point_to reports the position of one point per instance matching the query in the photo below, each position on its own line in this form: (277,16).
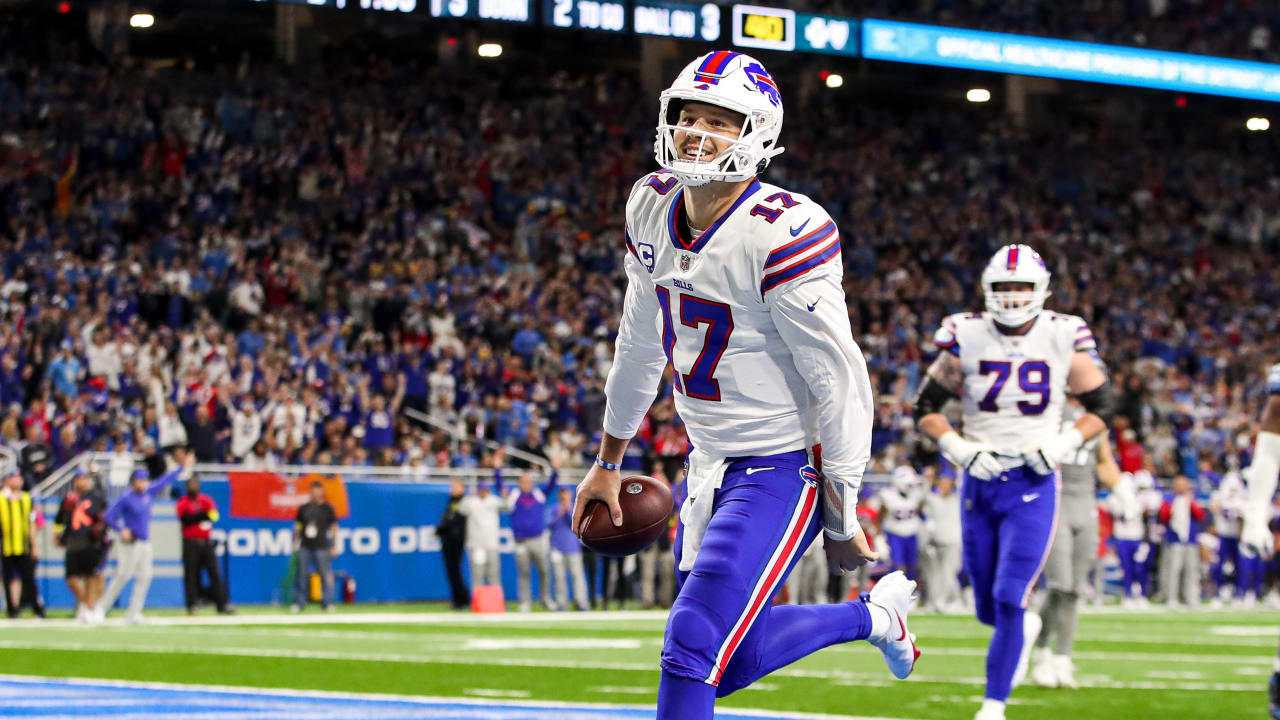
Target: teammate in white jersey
(736,284)
(899,506)
(1228,504)
(1012,366)
(1256,537)
(1128,530)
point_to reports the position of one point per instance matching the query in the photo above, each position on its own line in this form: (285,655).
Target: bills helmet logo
(764,83)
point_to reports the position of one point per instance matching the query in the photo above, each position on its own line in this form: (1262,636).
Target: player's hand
(599,484)
(851,554)
(977,459)
(1255,537)
(126,535)
(1045,458)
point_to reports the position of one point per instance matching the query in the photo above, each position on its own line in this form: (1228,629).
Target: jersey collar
(678,226)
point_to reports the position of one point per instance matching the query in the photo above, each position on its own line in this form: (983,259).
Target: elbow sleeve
(931,398)
(1101,402)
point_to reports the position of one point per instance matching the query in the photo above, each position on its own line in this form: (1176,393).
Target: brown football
(646,511)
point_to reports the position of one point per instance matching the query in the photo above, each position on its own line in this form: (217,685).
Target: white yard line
(495,693)
(836,675)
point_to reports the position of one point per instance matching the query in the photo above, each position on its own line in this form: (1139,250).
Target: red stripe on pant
(764,587)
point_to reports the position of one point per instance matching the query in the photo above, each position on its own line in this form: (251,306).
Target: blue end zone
(44,697)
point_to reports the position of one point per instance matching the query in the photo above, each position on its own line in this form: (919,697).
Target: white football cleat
(1030,631)
(1066,671)
(1043,671)
(893,593)
(990,710)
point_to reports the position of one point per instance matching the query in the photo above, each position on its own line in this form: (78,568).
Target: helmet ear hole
(673,110)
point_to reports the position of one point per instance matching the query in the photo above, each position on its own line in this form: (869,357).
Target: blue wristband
(607,465)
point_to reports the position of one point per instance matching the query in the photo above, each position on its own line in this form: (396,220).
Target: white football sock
(880,622)
(994,705)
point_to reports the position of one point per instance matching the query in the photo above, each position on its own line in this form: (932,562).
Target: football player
(1227,504)
(1013,366)
(900,505)
(1074,553)
(1256,536)
(1128,530)
(736,284)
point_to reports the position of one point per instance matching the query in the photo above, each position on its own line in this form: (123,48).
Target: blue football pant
(1007,525)
(723,632)
(904,551)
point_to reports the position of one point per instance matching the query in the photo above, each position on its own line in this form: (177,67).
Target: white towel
(705,474)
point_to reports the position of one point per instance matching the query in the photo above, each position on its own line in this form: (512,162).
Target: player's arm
(944,382)
(638,362)
(1256,534)
(812,318)
(1087,381)
(1106,467)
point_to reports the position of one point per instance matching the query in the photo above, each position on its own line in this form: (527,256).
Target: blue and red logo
(764,83)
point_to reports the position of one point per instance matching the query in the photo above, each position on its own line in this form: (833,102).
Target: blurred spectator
(452,530)
(197,513)
(941,556)
(80,529)
(657,566)
(35,458)
(315,541)
(130,516)
(1182,516)
(566,555)
(528,507)
(18,524)
(481,509)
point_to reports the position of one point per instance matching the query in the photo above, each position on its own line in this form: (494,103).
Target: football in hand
(646,511)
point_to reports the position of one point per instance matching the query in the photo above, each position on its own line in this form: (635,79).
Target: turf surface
(1130,665)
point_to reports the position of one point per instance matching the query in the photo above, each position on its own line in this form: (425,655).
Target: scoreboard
(748,26)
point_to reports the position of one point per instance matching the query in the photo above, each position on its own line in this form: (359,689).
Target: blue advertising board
(388,545)
(1026,55)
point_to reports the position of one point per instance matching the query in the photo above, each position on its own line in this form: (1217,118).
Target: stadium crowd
(270,267)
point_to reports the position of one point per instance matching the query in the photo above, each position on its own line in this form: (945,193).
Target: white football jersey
(751,316)
(1128,520)
(1230,511)
(899,514)
(1014,385)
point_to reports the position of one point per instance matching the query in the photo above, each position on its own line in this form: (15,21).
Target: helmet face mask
(1023,268)
(734,82)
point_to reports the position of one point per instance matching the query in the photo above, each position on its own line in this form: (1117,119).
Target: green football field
(1131,665)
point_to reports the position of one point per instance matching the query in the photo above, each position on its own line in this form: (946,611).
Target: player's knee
(1008,614)
(985,608)
(1011,592)
(691,642)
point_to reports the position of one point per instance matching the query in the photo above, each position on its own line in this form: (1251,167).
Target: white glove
(1044,459)
(977,459)
(1256,539)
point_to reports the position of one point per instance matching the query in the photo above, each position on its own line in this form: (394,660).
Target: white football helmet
(904,479)
(1143,480)
(733,81)
(1018,264)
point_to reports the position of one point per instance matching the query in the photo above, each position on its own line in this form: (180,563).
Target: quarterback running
(1013,367)
(736,284)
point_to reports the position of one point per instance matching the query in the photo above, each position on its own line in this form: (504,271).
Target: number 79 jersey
(709,306)
(1015,386)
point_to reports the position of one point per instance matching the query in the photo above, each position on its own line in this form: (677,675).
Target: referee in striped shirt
(18,547)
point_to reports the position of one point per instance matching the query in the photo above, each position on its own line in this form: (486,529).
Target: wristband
(607,465)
